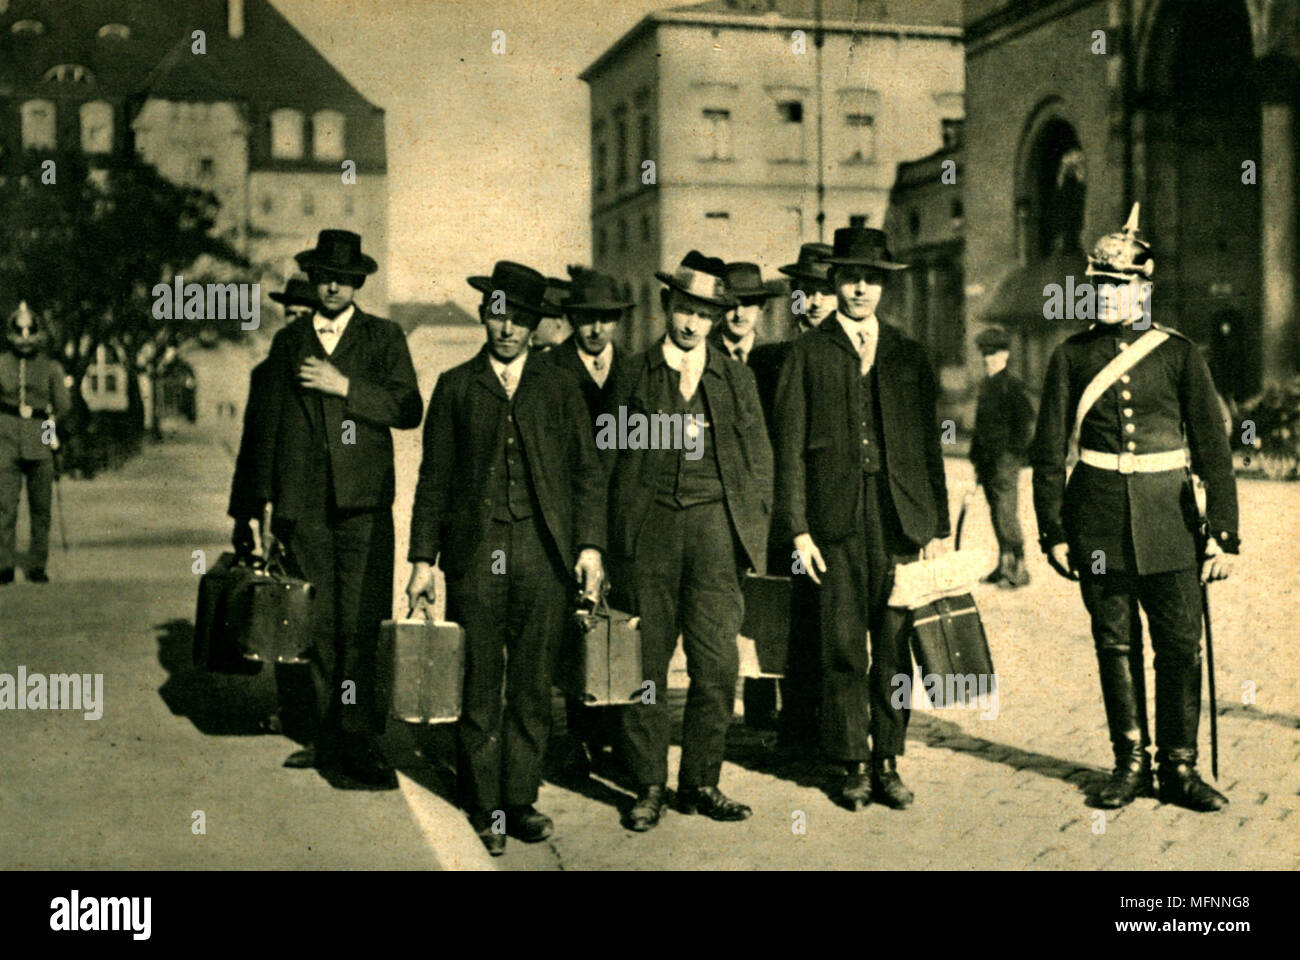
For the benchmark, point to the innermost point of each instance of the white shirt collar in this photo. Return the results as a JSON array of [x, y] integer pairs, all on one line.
[[515, 366], [340, 322], [675, 355], [589, 360], [870, 326]]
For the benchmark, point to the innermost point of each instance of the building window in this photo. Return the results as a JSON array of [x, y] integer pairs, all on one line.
[[286, 134], [717, 134], [789, 134], [96, 127], [602, 167], [951, 133], [327, 135], [114, 31], [914, 223], [268, 204], [601, 243], [622, 235], [348, 207], [308, 204], [956, 210], [647, 305], [207, 167], [861, 137], [620, 148], [647, 234], [38, 125], [717, 215], [643, 138], [27, 28]]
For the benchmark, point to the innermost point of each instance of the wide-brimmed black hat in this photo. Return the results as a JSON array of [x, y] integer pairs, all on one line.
[[701, 277], [338, 250], [522, 287], [745, 281], [297, 292], [593, 290], [993, 339], [556, 290], [812, 263], [863, 246]]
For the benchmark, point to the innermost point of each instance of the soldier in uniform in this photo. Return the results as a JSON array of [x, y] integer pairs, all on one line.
[[1126, 526], [1004, 424], [33, 397]]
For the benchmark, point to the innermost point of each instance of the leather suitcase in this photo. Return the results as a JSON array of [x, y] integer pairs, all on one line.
[[422, 669], [950, 643], [274, 617], [600, 662], [215, 648], [765, 632]]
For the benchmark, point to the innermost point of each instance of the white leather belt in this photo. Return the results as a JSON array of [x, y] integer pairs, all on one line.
[[1135, 462]]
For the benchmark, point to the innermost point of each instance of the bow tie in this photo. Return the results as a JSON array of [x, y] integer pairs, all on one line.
[[327, 328]]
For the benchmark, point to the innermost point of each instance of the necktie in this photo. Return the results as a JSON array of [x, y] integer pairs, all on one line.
[[739, 354], [328, 333], [23, 410], [866, 352], [598, 364], [690, 376], [508, 381]]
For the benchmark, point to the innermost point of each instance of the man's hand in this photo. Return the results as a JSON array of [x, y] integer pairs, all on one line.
[[936, 547], [810, 556], [1059, 558], [318, 374], [266, 540], [243, 539], [590, 571], [421, 591], [1216, 565]]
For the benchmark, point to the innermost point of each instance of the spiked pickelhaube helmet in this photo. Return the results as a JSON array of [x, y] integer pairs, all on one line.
[[1122, 256], [25, 329]]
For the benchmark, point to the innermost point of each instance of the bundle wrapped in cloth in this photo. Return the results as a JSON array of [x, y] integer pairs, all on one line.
[[924, 581]]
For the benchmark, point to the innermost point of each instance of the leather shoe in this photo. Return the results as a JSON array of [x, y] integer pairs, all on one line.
[[1182, 785], [6, 576], [887, 785], [365, 764], [482, 824], [855, 791], [321, 755], [649, 807], [37, 575], [713, 803], [528, 824]]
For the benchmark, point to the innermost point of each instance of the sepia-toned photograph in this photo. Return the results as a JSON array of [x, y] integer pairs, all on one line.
[[636, 435]]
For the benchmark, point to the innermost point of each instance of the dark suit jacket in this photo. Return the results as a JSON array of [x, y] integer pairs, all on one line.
[[740, 441], [565, 356], [819, 436], [243, 501], [300, 426], [1167, 396], [765, 361], [463, 432], [1004, 422]]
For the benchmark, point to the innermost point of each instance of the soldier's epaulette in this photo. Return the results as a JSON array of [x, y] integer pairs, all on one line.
[[1171, 331]]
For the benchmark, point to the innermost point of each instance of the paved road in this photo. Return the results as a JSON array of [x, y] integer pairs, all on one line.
[[994, 792]]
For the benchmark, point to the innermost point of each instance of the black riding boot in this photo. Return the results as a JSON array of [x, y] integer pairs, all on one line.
[[1178, 714], [1124, 694]]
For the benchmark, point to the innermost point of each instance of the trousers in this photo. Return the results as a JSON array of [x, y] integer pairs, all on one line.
[[856, 690], [687, 583], [1002, 490], [39, 475]]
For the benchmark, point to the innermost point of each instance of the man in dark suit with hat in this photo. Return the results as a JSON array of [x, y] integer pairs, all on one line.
[[1004, 424], [813, 300], [686, 517], [860, 483], [337, 383], [1125, 525], [510, 502], [299, 302], [33, 398]]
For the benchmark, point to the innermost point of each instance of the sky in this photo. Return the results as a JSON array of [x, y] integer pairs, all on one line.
[[488, 154]]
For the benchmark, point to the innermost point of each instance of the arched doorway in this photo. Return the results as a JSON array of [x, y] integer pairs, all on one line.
[[1197, 120]]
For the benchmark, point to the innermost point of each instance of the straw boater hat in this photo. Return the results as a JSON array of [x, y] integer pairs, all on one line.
[[863, 246], [522, 286], [701, 277], [337, 250]]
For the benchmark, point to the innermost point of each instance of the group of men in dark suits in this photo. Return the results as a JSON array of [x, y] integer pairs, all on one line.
[[819, 455]]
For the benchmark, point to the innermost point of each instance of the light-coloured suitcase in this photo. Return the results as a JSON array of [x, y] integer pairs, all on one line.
[[422, 668]]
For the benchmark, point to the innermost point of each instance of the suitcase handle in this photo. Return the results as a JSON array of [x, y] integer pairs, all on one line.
[[600, 604]]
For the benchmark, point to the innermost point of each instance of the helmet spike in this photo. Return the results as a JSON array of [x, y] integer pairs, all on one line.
[[1131, 227]]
